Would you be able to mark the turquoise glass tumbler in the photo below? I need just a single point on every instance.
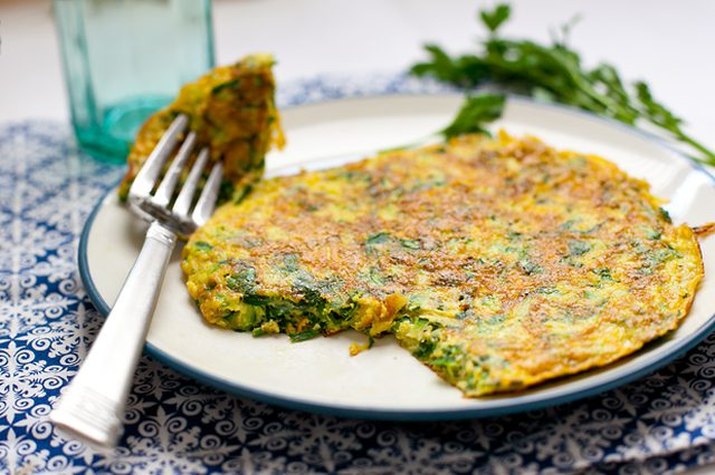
(124, 59)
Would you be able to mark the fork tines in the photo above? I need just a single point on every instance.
(179, 217)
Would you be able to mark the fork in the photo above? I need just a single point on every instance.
(92, 407)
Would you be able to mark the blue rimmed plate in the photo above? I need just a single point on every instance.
(386, 382)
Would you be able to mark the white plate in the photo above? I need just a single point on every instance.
(386, 382)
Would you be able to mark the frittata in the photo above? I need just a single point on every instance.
(232, 110)
(499, 263)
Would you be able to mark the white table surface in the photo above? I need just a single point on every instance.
(667, 43)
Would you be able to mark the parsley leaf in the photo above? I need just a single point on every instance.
(475, 113)
(493, 19)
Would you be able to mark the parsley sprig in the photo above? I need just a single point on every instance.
(548, 72)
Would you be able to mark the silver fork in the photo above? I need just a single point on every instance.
(92, 407)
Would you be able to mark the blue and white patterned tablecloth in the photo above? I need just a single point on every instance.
(665, 422)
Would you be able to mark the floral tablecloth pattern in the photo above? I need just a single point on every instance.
(664, 422)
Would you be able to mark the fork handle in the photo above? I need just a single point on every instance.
(92, 407)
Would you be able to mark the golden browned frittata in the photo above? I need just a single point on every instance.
(499, 263)
(232, 110)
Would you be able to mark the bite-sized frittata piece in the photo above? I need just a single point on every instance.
(232, 110)
(499, 263)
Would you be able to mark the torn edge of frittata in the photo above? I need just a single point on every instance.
(704, 230)
(232, 110)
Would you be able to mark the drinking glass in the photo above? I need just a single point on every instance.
(124, 59)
